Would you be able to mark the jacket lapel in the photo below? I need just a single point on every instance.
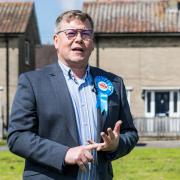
(104, 120)
(64, 101)
(101, 118)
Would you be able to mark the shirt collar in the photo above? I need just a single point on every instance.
(66, 70)
(69, 73)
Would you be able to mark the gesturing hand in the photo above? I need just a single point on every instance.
(80, 155)
(110, 140)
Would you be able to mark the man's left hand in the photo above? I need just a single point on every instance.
(110, 140)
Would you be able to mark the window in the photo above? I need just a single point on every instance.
(128, 92)
(175, 104)
(148, 102)
(178, 6)
(175, 101)
(162, 103)
(27, 53)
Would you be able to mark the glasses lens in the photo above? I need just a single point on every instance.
(86, 34)
(71, 33)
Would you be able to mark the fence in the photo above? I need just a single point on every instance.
(1, 128)
(158, 127)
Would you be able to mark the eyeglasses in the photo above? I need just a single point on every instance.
(86, 34)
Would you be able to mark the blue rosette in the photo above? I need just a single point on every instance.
(104, 89)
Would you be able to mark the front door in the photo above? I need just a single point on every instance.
(162, 103)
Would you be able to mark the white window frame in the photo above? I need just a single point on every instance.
(171, 91)
(171, 104)
(152, 104)
(129, 89)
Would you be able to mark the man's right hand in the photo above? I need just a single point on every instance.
(80, 155)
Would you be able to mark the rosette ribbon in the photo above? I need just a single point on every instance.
(104, 89)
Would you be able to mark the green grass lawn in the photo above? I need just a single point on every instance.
(149, 164)
(11, 166)
(140, 164)
(2, 142)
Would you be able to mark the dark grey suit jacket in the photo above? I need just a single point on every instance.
(43, 125)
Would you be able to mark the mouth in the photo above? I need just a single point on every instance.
(78, 49)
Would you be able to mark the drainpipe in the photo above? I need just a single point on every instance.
(7, 80)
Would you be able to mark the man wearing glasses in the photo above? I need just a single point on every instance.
(70, 120)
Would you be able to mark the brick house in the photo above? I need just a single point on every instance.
(45, 54)
(140, 41)
(18, 38)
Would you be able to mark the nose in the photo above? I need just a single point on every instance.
(78, 37)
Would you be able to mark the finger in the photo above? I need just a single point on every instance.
(84, 159)
(117, 127)
(110, 134)
(100, 147)
(88, 156)
(81, 166)
(90, 141)
(106, 139)
(91, 146)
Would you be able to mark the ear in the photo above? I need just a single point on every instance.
(56, 40)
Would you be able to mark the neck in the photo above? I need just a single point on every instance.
(79, 72)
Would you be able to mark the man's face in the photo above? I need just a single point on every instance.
(74, 51)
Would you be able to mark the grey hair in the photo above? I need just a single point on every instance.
(70, 15)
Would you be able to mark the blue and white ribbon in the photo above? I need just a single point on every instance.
(104, 89)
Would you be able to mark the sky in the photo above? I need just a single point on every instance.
(47, 12)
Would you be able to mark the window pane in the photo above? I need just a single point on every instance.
(27, 53)
(162, 103)
(148, 102)
(178, 5)
(175, 101)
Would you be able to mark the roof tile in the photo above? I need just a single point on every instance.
(128, 16)
(14, 16)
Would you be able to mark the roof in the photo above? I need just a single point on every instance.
(14, 16)
(134, 16)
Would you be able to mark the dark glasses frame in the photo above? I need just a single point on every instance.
(72, 33)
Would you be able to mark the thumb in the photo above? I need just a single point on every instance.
(117, 127)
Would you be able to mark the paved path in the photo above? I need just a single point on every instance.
(160, 144)
(3, 148)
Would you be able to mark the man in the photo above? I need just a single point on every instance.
(65, 118)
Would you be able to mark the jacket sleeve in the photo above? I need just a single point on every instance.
(23, 138)
(128, 133)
